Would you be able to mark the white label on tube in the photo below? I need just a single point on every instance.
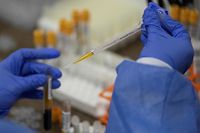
(66, 120)
(49, 89)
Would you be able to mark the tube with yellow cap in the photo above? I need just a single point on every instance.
(193, 20)
(84, 23)
(62, 25)
(61, 35)
(76, 18)
(48, 101)
(70, 47)
(184, 15)
(67, 38)
(175, 12)
(38, 38)
(51, 41)
(66, 117)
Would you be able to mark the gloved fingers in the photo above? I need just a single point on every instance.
(34, 94)
(38, 94)
(176, 28)
(40, 68)
(33, 81)
(151, 20)
(153, 5)
(143, 39)
(33, 54)
(143, 35)
(55, 84)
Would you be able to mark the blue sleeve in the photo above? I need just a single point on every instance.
(149, 99)
(3, 113)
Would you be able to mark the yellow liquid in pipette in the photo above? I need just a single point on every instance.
(83, 57)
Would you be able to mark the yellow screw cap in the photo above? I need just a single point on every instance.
(184, 15)
(76, 16)
(69, 27)
(62, 25)
(51, 38)
(194, 17)
(175, 12)
(38, 37)
(85, 15)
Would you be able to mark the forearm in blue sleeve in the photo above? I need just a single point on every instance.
(3, 113)
(150, 99)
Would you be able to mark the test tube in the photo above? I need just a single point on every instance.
(61, 39)
(103, 129)
(193, 20)
(51, 39)
(39, 43)
(84, 23)
(76, 124)
(76, 16)
(85, 127)
(51, 42)
(38, 38)
(76, 19)
(66, 117)
(61, 35)
(69, 47)
(97, 127)
(48, 104)
(175, 11)
(184, 15)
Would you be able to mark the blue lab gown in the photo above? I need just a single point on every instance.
(150, 99)
(11, 127)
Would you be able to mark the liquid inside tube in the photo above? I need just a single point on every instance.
(104, 47)
(83, 57)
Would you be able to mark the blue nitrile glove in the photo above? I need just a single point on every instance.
(21, 75)
(166, 39)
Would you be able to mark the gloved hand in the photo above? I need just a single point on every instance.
(166, 39)
(21, 75)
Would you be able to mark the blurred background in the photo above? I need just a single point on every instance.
(75, 27)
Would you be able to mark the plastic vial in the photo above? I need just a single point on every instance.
(51, 42)
(97, 127)
(69, 47)
(85, 127)
(76, 124)
(38, 38)
(47, 100)
(193, 20)
(48, 104)
(78, 31)
(84, 25)
(66, 117)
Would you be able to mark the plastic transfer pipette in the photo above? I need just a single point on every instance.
(114, 42)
